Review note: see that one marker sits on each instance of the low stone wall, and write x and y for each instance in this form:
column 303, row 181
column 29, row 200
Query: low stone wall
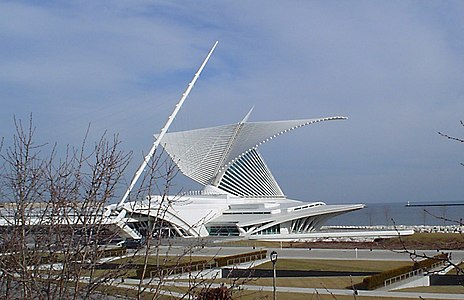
column 416, row 228
column 447, row 280
column 265, row 273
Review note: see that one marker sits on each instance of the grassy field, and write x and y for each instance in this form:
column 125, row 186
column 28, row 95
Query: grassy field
column 417, row 241
column 132, row 293
column 449, row 289
column 161, row 259
column 454, row 271
column 247, row 295
column 433, row 240
column 334, row 265
column 339, row 282
column 336, row 282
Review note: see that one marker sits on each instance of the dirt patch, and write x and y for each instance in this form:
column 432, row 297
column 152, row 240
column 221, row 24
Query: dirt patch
column 417, row 241
column 420, row 241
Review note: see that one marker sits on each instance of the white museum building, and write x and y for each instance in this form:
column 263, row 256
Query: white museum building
column 240, row 195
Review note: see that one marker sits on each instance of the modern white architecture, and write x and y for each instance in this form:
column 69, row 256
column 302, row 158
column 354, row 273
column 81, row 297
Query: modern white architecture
column 240, row 197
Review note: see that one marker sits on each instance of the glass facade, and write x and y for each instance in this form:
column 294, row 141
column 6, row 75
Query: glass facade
column 270, row 230
column 223, row 230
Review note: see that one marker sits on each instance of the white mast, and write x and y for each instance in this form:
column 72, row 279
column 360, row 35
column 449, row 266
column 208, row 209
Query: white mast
column 166, row 127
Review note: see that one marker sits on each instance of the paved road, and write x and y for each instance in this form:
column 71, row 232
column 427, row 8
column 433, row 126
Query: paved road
column 339, row 254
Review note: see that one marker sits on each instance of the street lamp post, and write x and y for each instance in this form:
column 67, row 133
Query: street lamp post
column 273, row 257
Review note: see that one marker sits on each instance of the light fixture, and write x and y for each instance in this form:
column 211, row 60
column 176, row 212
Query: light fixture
column 273, row 257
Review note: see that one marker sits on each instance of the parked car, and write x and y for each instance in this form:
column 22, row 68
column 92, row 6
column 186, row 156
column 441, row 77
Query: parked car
column 132, row 244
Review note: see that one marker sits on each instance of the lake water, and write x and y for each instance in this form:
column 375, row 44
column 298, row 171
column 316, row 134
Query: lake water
column 400, row 214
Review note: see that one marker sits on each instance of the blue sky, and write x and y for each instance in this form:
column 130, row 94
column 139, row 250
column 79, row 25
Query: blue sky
column 394, row 68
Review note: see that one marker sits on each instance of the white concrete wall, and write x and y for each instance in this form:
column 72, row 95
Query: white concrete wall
column 415, row 281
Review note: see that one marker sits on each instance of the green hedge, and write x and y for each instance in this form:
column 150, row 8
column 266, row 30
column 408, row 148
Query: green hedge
column 377, row 280
column 224, row 261
column 200, row 265
column 120, row 251
column 173, row 269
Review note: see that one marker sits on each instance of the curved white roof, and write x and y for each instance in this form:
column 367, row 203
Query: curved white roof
column 206, row 154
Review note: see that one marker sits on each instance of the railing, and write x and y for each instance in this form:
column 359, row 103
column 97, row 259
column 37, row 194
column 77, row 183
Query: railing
column 154, row 271
column 114, row 252
column 403, row 276
column 392, row 280
column 183, row 269
column 244, row 259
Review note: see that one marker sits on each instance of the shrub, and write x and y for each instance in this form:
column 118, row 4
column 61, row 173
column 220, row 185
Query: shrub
column 377, row 280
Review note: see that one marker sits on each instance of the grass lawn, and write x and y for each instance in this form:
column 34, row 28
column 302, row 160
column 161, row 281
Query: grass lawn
column 305, row 264
column 336, row 282
column 334, row 265
column 454, row 271
column 253, row 295
column 446, row 289
column 139, row 260
column 132, row 293
column 339, row 282
column 432, row 240
column 161, row 259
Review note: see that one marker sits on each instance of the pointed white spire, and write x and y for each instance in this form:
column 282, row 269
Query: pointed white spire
column 247, row 115
column 164, row 130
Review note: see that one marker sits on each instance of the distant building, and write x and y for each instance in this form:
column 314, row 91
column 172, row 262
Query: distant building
column 240, row 195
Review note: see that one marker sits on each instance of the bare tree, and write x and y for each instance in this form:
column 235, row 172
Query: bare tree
column 56, row 225
column 446, row 259
column 52, row 216
column 457, row 139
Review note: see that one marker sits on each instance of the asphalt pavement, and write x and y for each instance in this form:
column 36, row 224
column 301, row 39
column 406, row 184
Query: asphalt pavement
column 308, row 253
